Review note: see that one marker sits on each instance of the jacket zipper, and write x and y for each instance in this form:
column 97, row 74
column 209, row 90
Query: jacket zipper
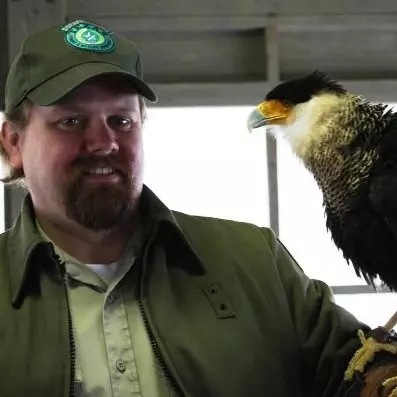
column 72, row 344
column 155, row 347
column 156, row 350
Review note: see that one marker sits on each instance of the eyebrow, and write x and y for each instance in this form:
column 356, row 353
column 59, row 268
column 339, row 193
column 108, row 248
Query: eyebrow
column 76, row 108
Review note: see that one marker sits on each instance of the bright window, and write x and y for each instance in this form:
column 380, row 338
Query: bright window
column 372, row 309
column 202, row 161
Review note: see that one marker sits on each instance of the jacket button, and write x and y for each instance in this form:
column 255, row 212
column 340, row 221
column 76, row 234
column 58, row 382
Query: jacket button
column 214, row 289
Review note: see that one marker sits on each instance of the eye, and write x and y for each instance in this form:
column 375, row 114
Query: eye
column 71, row 123
column 121, row 123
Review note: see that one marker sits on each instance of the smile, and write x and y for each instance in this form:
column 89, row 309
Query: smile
column 100, row 171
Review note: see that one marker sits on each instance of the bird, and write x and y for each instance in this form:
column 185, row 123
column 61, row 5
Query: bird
column 349, row 145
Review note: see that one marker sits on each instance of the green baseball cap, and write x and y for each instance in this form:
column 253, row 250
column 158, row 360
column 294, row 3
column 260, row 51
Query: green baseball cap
column 54, row 61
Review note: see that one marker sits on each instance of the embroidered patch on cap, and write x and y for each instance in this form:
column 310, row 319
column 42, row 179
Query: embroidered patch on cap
column 88, row 36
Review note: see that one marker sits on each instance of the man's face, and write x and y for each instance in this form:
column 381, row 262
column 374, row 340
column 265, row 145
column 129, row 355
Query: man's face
column 82, row 157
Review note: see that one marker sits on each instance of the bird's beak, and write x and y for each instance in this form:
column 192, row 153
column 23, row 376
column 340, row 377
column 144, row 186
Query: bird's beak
column 255, row 120
column 267, row 112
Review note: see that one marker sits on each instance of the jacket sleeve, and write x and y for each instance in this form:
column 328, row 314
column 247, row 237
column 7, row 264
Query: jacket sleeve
column 327, row 333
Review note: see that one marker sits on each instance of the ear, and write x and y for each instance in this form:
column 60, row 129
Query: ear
column 10, row 140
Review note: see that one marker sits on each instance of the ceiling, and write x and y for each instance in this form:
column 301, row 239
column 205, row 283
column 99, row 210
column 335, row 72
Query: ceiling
column 230, row 52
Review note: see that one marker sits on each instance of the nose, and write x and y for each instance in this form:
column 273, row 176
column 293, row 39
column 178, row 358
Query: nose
column 101, row 139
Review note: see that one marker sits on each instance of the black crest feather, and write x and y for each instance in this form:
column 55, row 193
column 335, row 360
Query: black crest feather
column 302, row 89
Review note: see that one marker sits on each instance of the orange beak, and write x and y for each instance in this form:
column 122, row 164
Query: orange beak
column 268, row 112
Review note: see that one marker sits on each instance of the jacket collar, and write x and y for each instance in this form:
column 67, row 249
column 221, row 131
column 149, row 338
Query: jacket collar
column 23, row 240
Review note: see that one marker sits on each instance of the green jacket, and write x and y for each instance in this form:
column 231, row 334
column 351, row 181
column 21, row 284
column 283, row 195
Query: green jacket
column 229, row 311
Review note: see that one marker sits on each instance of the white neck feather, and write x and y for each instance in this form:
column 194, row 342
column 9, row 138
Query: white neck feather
column 303, row 123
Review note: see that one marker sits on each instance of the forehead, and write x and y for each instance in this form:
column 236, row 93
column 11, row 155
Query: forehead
column 105, row 88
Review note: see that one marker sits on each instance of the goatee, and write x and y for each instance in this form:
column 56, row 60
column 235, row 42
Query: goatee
column 102, row 206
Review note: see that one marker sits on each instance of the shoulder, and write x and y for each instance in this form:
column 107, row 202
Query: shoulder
column 224, row 229
column 249, row 245
column 223, row 238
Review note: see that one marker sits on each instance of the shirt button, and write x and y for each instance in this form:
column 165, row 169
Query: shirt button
column 112, row 298
column 120, row 365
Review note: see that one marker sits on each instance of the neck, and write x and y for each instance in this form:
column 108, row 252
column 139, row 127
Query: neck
column 86, row 245
column 311, row 122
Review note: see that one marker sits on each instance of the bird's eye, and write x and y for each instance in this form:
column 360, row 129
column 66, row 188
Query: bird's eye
column 285, row 102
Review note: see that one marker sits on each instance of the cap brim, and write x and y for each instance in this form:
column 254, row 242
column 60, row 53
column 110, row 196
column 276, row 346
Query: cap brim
column 58, row 86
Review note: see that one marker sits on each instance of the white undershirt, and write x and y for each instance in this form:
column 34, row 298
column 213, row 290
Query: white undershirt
column 105, row 271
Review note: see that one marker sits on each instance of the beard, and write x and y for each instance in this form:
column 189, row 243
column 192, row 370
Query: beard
column 101, row 206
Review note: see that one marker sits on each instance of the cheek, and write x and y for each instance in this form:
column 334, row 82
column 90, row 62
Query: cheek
column 135, row 159
column 31, row 154
column 47, row 159
column 132, row 147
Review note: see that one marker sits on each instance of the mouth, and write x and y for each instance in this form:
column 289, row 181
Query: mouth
column 100, row 171
column 102, row 174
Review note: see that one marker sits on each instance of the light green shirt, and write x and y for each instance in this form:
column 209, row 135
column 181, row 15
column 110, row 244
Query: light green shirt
column 114, row 354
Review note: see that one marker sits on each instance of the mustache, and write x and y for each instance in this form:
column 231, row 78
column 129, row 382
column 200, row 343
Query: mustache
column 83, row 164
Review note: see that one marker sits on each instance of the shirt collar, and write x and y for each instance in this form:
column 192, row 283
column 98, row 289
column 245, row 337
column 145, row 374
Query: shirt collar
column 25, row 247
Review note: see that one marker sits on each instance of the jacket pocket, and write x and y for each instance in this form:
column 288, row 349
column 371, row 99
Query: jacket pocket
column 219, row 302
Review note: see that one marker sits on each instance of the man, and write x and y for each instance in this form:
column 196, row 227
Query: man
column 106, row 292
